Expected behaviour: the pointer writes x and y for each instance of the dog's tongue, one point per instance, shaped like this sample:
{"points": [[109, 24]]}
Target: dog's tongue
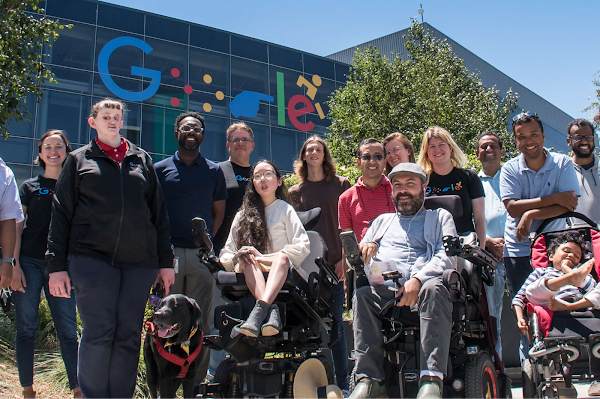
{"points": [[164, 331]]}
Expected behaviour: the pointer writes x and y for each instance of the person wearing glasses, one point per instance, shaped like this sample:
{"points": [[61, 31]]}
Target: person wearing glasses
{"points": [[371, 195], [398, 148], [193, 187], [582, 140], [535, 185], [266, 237]]}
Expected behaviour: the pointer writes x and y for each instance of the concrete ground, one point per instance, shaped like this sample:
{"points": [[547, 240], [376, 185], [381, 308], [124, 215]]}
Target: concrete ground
{"points": [[582, 389]]}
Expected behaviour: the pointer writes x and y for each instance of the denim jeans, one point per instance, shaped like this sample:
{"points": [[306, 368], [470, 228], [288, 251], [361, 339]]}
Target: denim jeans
{"points": [[111, 304], [517, 271], [63, 314], [339, 351], [495, 295]]}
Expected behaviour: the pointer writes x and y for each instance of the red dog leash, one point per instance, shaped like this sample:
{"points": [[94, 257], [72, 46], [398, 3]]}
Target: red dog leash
{"points": [[184, 363]]}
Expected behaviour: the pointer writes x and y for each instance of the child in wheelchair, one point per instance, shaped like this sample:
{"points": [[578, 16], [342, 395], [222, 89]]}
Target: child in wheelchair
{"points": [[266, 237]]}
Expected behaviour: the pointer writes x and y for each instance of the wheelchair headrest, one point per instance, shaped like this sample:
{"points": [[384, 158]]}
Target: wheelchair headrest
{"points": [[310, 218], [451, 203], [200, 234], [318, 249]]}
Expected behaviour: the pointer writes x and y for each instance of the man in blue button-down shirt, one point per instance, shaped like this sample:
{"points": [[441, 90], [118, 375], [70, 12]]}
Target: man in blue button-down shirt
{"points": [[490, 152]]}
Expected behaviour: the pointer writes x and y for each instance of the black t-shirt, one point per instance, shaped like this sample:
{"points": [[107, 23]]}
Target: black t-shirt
{"points": [[36, 194], [237, 178], [462, 182]]}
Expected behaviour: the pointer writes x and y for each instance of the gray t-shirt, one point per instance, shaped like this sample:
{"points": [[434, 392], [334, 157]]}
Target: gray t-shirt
{"points": [[399, 248]]}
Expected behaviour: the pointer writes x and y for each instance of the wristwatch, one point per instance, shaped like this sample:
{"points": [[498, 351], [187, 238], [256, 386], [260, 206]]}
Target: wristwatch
{"points": [[9, 260]]}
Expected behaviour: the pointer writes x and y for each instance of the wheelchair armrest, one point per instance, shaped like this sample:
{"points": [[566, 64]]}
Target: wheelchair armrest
{"points": [[474, 254], [327, 269], [352, 252], [201, 236]]}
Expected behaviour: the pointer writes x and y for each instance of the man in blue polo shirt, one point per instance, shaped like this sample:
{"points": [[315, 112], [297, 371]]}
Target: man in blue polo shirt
{"points": [[193, 187], [534, 186]]}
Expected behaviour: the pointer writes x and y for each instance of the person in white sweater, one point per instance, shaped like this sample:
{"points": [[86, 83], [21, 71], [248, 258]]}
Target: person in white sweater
{"points": [[266, 236]]}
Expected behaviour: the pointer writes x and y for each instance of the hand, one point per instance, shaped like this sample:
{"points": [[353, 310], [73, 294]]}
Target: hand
{"points": [[410, 292], [167, 277], [6, 273], [496, 247], [60, 285], [568, 199], [340, 270], [251, 250], [368, 250], [577, 276], [524, 226], [522, 326], [246, 103], [18, 279]]}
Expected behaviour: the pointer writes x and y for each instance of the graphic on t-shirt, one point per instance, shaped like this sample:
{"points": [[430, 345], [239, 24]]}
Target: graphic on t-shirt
{"points": [[44, 191], [437, 190], [241, 178]]}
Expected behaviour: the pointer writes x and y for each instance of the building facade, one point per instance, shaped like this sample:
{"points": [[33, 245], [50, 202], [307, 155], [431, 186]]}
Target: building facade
{"points": [[161, 67]]}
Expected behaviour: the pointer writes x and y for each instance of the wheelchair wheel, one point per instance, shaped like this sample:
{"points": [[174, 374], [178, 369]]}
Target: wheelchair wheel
{"points": [[228, 383], [528, 373], [480, 378]]}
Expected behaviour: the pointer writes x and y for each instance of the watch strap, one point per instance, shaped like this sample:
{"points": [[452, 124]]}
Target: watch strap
{"points": [[9, 260]]}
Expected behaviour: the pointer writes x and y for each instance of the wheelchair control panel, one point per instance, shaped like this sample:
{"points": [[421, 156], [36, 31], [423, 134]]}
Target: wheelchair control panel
{"points": [[473, 254]]}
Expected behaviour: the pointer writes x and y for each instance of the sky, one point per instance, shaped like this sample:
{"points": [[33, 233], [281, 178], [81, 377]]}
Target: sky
{"points": [[549, 46]]}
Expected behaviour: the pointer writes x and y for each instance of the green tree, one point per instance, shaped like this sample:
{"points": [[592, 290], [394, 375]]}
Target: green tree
{"points": [[431, 87], [23, 35], [594, 107]]}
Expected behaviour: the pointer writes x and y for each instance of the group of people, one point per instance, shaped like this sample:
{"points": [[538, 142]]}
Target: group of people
{"points": [[104, 224]]}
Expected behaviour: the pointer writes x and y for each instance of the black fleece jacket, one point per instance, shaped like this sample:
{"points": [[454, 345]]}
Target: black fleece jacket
{"points": [[115, 214]]}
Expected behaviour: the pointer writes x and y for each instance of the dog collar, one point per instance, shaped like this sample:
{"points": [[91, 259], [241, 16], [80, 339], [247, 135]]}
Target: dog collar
{"points": [[185, 345]]}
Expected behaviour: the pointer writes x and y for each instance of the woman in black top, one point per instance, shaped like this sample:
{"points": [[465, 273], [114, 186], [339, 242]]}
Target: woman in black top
{"points": [[29, 273], [444, 163], [109, 235]]}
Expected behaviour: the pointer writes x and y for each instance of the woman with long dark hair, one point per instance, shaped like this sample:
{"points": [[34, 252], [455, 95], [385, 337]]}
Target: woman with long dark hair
{"points": [[266, 236]]}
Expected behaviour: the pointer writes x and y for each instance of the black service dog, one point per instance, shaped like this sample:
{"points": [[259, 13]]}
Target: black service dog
{"points": [[173, 346]]}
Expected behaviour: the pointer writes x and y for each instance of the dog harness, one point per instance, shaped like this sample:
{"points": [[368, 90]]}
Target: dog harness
{"points": [[184, 363]]}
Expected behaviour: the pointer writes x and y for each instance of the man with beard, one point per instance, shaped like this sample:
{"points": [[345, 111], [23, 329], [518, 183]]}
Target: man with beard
{"points": [[411, 242], [193, 187], [582, 141]]}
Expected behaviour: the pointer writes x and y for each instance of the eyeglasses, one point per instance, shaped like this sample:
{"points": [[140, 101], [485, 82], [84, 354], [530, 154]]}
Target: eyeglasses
{"points": [[269, 174], [242, 140], [589, 138], [395, 151], [187, 128], [522, 114], [367, 158]]}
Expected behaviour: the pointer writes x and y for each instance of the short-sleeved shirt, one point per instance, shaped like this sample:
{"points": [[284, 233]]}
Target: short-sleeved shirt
{"points": [[325, 195], [190, 192], [237, 178], [495, 211], [465, 184], [36, 194], [361, 204], [10, 205], [518, 181]]}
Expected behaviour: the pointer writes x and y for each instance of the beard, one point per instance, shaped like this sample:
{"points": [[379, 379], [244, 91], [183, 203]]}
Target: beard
{"points": [[411, 207], [183, 143], [580, 154]]}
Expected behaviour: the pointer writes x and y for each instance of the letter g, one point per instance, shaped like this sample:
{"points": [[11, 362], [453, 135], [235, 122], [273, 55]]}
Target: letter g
{"points": [[154, 75]]}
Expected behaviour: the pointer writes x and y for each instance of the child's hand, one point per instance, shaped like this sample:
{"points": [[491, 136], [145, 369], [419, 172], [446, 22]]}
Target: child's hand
{"points": [[578, 275], [522, 326]]}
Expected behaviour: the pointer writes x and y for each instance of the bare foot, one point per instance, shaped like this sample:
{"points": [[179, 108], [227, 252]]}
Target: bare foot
{"points": [[556, 306], [28, 392], [77, 393]]}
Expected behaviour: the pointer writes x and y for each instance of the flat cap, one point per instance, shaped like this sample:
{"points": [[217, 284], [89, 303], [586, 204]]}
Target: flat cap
{"points": [[410, 168]]}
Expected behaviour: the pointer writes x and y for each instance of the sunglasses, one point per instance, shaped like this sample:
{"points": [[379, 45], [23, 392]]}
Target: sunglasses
{"points": [[523, 114], [367, 158]]}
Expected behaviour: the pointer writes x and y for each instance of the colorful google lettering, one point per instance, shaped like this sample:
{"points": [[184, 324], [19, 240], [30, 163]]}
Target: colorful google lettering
{"points": [[245, 104]]}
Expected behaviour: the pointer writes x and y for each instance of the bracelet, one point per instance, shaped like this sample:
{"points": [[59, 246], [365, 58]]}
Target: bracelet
{"points": [[9, 260]]}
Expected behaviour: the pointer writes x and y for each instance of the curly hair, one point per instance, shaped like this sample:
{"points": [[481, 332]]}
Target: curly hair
{"points": [[563, 239], [252, 226], [301, 167], [193, 114]]}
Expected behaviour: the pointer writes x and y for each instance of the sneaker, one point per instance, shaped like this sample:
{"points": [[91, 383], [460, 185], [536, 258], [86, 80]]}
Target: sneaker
{"points": [[594, 389]]}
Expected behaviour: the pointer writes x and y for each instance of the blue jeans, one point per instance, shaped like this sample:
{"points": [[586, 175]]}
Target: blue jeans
{"points": [[111, 304], [339, 351], [517, 271], [495, 295], [63, 314]]}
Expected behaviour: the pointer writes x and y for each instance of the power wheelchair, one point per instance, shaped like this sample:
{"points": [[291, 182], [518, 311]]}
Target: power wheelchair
{"points": [[475, 371], [266, 366]]}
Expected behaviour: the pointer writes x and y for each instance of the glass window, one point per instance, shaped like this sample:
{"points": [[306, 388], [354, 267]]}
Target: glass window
{"points": [[249, 76], [122, 58], [131, 129], [18, 150], [320, 66], [64, 111], [288, 144], [22, 172], [23, 129], [248, 48], [285, 58], [288, 87], [321, 125], [73, 48], [165, 57], [341, 70], [69, 79], [213, 147], [262, 142], [209, 38], [209, 103], [76, 10], [323, 92], [209, 71], [170, 97], [120, 18], [158, 132], [101, 90], [168, 29]]}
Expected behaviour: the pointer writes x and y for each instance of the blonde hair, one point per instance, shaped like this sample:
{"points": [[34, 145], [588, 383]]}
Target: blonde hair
{"points": [[457, 157], [301, 168], [405, 142]]}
